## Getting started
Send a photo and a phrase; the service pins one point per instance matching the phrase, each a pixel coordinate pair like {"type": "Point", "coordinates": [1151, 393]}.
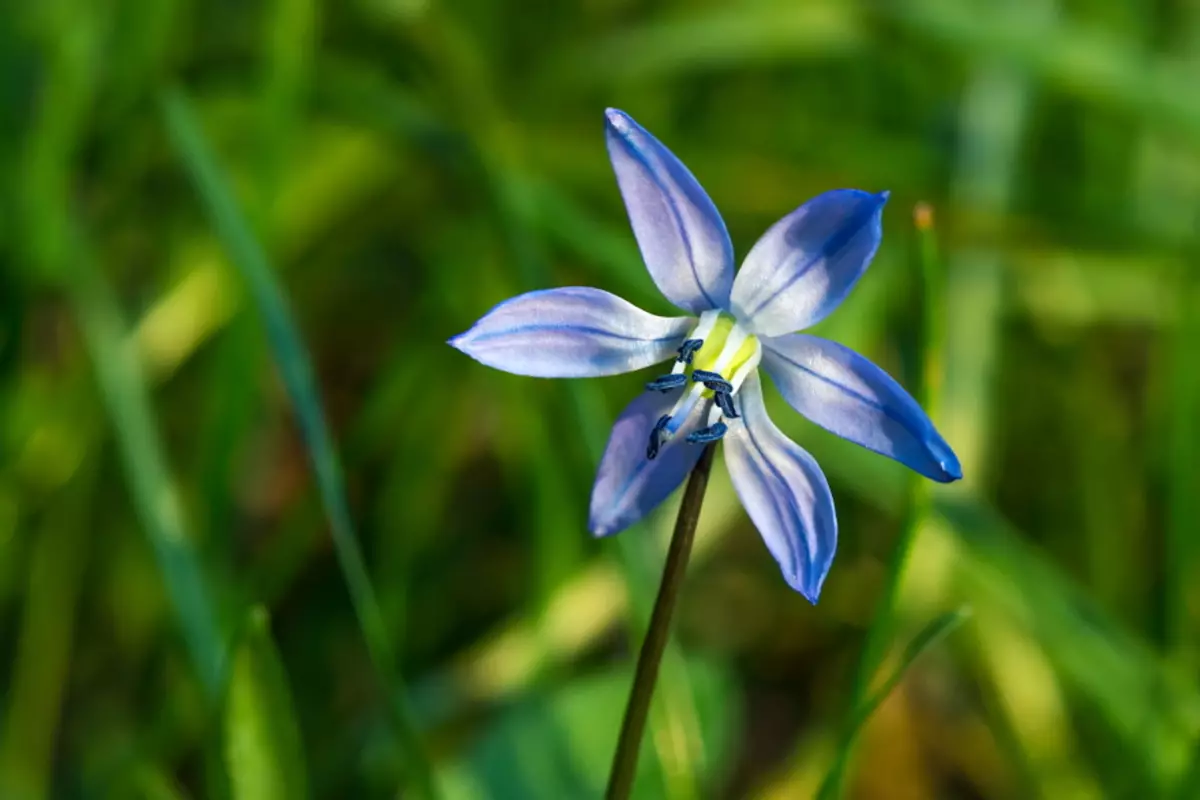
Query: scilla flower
{"type": "Point", "coordinates": [796, 274]}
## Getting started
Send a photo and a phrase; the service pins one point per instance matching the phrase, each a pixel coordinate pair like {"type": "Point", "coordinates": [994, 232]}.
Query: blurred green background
{"type": "Point", "coordinates": [235, 236]}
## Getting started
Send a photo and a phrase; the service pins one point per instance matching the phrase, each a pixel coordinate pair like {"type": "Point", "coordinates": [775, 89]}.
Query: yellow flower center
{"type": "Point", "coordinates": [712, 356]}
{"type": "Point", "coordinates": [726, 355]}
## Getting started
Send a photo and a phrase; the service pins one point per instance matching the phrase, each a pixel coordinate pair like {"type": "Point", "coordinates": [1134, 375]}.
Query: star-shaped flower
{"type": "Point", "coordinates": [793, 277]}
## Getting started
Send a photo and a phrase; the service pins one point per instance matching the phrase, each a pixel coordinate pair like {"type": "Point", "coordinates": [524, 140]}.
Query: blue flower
{"type": "Point", "coordinates": [796, 274]}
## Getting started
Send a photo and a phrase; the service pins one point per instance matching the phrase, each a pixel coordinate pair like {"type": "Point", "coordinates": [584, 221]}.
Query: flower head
{"type": "Point", "coordinates": [793, 277]}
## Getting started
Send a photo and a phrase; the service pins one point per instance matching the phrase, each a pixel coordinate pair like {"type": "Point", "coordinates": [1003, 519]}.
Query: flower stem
{"type": "Point", "coordinates": [620, 781]}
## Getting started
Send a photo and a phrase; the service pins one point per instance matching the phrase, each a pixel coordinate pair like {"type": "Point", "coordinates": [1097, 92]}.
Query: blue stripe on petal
{"type": "Point", "coordinates": [805, 265]}
{"type": "Point", "coordinates": [848, 395]}
{"type": "Point", "coordinates": [784, 492]}
{"type": "Point", "coordinates": [574, 332]}
{"type": "Point", "coordinates": [678, 229]}
{"type": "Point", "coordinates": [628, 485]}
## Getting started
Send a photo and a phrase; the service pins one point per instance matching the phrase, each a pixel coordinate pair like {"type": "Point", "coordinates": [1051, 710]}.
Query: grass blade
{"type": "Point", "coordinates": [291, 358]}
{"type": "Point", "coordinates": [263, 750]}
{"type": "Point", "coordinates": [721, 38]}
{"type": "Point", "coordinates": [123, 388]}
{"type": "Point", "coordinates": [56, 249]}
{"type": "Point", "coordinates": [43, 656]}
{"type": "Point", "coordinates": [930, 635]}
{"type": "Point", "coordinates": [1068, 56]}
{"type": "Point", "coordinates": [929, 347]}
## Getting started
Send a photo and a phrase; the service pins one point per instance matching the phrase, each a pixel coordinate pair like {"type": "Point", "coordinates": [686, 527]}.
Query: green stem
{"type": "Point", "coordinates": [883, 623]}
{"type": "Point", "coordinates": [620, 782]}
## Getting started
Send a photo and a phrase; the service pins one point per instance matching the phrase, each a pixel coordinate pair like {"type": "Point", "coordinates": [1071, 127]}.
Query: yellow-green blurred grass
{"type": "Point", "coordinates": [407, 165]}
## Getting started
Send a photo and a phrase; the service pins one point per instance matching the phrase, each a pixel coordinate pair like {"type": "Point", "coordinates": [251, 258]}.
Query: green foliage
{"type": "Point", "coordinates": [296, 372]}
{"type": "Point", "coordinates": [933, 633]}
{"type": "Point", "coordinates": [559, 744]}
{"type": "Point", "coordinates": [361, 180]}
{"type": "Point", "coordinates": [263, 751]}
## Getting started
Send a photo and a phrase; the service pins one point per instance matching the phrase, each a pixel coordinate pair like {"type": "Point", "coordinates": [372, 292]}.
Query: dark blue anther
{"type": "Point", "coordinates": [712, 380]}
{"type": "Point", "coordinates": [656, 437]}
{"type": "Point", "coordinates": [688, 349]}
{"type": "Point", "coordinates": [665, 383]}
{"type": "Point", "coordinates": [724, 401]}
{"type": "Point", "coordinates": [710, 434]}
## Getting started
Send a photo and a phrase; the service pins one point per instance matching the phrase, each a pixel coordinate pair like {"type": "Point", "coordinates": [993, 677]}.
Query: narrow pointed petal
{"type": "Point", "coordinates": [805, 264]}
{"type": "Point", "coordinates": [628, 485]}
{"type": "Point", "coordinates": [784, 492]}
{"type": "Point", "coordinates": [681, 235]}
{"type": "Point", "coordinates": [576, 332]}
{"type": "Point", "coordinates": [845, 393]}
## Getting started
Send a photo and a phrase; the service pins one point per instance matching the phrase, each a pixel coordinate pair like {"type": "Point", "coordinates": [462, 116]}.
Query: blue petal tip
{"type": "Point", "coordinates": [600, 531]}
{"type": "Point", "coordinates": [949, 468]}
{"type": "Point", "coordinates": [809, 588]}
{"type": "Point", "coordinates": [810, 593]}
{"type": "Point", "coordinates": [619, 121]}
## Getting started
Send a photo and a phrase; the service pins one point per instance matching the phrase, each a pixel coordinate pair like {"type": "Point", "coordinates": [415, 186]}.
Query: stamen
{"type": "Point", "coordinates": [724, 401]}
{"type": "Point", "coordinates": [687, 350]}
{"type": "Point", "coordinates": [710, 434]}
{"type": "Point", "coordinates": [665, 383]}
{"type": "Point", "coordinates": [711, 380]}
{"type": "Point", "coordinates": [656, 437]}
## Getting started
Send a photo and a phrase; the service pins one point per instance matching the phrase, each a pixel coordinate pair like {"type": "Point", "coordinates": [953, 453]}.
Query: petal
{"type": "Point", "coordinates": [784, 492]}
{"type": "Point", "coordinates": [628, 485]}
{"type": "Point", "coordinates": [681, 235]}
{"type": "Point", "coordinates": [574, 332]}
{"type": "Point", "coordinates": [845, 393]}
{"type": "Point", "coordinates": [806, 264]}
